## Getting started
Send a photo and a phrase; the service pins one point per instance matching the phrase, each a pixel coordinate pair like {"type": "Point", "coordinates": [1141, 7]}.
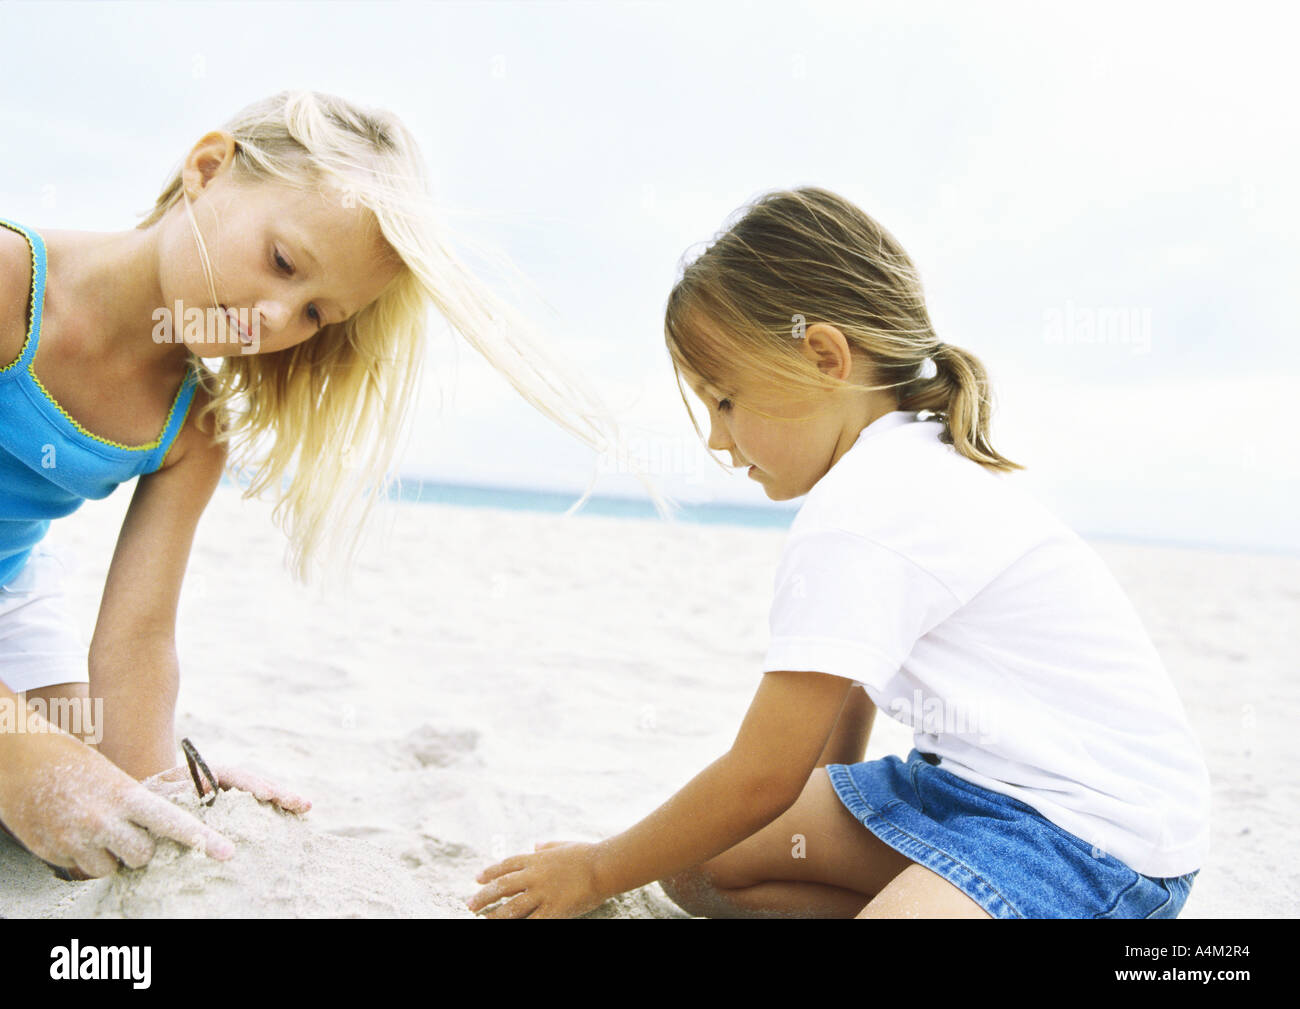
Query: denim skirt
{"type": "Point", "coordinates": [1002, 853]}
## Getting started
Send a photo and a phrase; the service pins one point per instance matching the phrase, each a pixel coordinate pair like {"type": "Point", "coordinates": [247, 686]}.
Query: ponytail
{"type": "Point", "coordinates": [959, 395]}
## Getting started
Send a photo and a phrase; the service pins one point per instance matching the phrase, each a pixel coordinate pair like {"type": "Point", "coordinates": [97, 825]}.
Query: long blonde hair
{"type": "Point", "coordinates": [318, 424]}
{"type": "Point", "coordinates": [799, 257]}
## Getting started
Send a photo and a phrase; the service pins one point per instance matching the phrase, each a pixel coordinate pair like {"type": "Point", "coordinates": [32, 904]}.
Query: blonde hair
{"type": "Point", "coordinates": [319, 423]}
{"type": "Point", "coordinates": [799, 257]}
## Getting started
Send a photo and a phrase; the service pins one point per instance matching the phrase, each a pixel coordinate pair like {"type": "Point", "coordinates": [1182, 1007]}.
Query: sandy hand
{"type": "Point", "coordinates": [177, 781]}
{"type": "Point", "coordinates": [557, 881]}
{"type": "Point", "coordinates": [76, 809]}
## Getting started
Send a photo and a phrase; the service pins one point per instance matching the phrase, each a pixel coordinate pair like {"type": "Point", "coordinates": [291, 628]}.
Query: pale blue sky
{"type": "Point", "coordinates": [1041, 163]}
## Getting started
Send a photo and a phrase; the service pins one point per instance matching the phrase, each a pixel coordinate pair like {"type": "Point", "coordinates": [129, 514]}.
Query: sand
{"type": "Point", "coordinates": [494, 679]}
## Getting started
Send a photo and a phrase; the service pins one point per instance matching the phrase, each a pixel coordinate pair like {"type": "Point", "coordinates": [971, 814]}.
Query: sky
{"type": "Point", "coordinates": [1100, 200]}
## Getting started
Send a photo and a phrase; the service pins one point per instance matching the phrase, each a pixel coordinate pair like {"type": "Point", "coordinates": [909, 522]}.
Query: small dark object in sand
{"type": "Point", "coordinates": [192, 758]}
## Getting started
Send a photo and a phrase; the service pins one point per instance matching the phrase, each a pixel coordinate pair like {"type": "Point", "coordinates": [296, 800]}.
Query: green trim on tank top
{"type": "Point", "coordinates": [190, 371]}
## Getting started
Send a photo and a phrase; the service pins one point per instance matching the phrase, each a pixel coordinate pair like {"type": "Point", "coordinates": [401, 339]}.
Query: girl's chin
{"type": "Point", "coordinates": [774, 491]}
{"type": "Point", "coordinates": [218, 350]}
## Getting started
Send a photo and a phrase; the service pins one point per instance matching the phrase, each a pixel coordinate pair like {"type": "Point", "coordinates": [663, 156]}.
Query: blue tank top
{"type": "Point", "coordinates": [50, 464]}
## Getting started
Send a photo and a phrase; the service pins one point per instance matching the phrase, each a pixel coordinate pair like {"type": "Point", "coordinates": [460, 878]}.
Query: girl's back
{"type": "Point", "coordinates": [978, 618]}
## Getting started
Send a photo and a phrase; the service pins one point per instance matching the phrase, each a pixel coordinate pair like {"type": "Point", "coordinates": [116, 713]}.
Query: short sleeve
{"type": "Point", "coordinates": [847, 606]}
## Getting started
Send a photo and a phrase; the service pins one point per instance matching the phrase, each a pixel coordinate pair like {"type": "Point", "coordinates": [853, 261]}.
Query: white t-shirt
{"type": "Point", "coordinates": [972, 614]}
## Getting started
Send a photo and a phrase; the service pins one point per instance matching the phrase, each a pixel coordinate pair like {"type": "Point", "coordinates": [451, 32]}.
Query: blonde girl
{"type": "Point", "coordinates": [298, 248]}
{"type": "Point", "coordinates": [1054, 772]}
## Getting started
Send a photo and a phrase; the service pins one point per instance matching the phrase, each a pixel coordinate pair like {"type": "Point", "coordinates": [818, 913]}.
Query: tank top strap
{"type": "Point", "coordinates": [175, 419]}
{"type": "Point", "coordinates": [37, 299]}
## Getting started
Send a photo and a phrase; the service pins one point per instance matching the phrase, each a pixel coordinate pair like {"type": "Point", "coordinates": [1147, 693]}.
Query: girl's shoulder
{"type": "Point", "coordinates": [195, 438]}
{"type": "Point", "coordinates": [946, 514]}
{"type": "Point", "coordinates": [15, 291]}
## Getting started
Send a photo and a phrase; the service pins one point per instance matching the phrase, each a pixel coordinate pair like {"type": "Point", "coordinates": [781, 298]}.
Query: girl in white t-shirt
{"type": "Point", "coordinates": [1054, 772]}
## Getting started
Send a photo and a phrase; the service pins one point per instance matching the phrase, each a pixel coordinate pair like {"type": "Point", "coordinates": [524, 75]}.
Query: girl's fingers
{"type": "Point", "coordinates": [166, 820]}
{"type": "Point", "coordinates": [131, 845]}
{"type": "Point", "coordinates": [293, 802]}
{"type": "Point", "coordinates": [504, 887]}
{"type": "Point", "coordinates": [512, 864]}
{"type": "Point", "coordinates": [521, 907]}
{"type": "Point", "coordinates": [233, 777]}
{"type": "Point", "coordinates": [172, 774]}
{"type": "Point", "coordinates": [177, 781]}
{"type": "Point", "coordinates": [174, 783]}
{"type": "Point", "coordinates": [263, 790]}
{"type": "Point", "coordinates": [167, 789]}
{"type": "Point", "coordinates": [95, 862]}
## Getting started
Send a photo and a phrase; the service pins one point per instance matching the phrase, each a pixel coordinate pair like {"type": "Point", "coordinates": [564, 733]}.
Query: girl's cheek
{"type": "Point", "coordinates": [746, 433]}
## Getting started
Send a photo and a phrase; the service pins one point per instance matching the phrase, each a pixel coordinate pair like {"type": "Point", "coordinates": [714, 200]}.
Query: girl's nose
{"type": "Point", "coordinates": [274, 315]}
{"type": "Point", "coordinates": [718, 439]}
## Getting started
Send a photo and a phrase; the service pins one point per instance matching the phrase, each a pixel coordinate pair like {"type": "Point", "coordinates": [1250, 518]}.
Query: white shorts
{"type": "Point", "coordinates": [39, 643]}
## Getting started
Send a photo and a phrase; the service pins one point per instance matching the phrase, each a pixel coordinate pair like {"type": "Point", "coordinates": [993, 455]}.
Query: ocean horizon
{"type": "Point", "coordinates": [473, 495]}
{"type": "Point", "coordinates": [558, 502]}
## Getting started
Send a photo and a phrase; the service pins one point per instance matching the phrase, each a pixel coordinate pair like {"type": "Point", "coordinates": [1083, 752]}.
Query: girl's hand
{"type": "Point", "coordinates": [78, 811]}
{"type": "Point", "coordinates": [557, 881]}
{"type": "Point", "coordinates": [177, 781]}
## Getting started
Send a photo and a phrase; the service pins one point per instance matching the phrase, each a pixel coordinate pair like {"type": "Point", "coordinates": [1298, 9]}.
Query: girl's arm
{"type": "Point", "coordinates": [848, 743]}
{"type": "Point", "coordinates": [133, 664]}
{"type": "Point", "coordinates": [69, 806]}
{"type": "Point", "coordinates": [787, 727]}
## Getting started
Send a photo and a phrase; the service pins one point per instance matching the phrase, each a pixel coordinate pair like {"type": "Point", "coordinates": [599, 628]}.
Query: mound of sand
{"type": "Point", "coordinates": [283, 868]}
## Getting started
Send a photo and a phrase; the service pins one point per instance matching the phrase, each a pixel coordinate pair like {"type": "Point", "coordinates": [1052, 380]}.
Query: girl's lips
{"type": "Point", "coordinates": [244, 335]}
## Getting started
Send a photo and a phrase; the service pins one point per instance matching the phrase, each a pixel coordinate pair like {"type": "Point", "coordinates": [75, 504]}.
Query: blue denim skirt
{"type": "Point", "coordinates": [1002, 853]}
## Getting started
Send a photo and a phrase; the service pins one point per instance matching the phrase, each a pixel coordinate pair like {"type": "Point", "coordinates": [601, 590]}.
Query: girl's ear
{"type": "Point", "coordinates": [828, 349]}
{"type": "Point", "coordinates": [213, 152]}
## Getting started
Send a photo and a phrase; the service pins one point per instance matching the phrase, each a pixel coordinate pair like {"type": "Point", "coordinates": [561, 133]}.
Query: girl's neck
{"type": "Point", "coordinates": [861, 415]}
{"type": "Point", "coordinates": [102, 290]}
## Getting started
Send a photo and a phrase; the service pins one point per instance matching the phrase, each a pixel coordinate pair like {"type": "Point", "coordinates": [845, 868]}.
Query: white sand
{"type": "Point", "coordinates": [493, 679]}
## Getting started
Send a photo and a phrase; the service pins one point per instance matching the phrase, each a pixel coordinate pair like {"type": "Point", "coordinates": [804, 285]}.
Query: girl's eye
{"type": "Point", "coordinates": [312, 312]}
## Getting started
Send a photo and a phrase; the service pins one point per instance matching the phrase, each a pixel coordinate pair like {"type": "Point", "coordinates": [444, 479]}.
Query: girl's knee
{"type": "Point", "coordinates": [696, 892]}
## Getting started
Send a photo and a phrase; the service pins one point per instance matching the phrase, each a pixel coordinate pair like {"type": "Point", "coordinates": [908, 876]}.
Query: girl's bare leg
{"type": "Point", "coordinates": [917, 892]}
{"type": "Point", "coordinates": [813, 861]}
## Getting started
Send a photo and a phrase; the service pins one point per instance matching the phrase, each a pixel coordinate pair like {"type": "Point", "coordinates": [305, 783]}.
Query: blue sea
{"type": "Point", "coordinates": [720, 513]}
{"type": "Point", "coordinates": [757, 516]}
{"type": "Point", "coordinates": [519, 499]}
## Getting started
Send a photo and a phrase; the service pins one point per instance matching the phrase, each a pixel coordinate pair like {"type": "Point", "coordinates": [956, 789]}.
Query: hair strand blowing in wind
{"type": "Point", "coordinates": [319, 424]}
